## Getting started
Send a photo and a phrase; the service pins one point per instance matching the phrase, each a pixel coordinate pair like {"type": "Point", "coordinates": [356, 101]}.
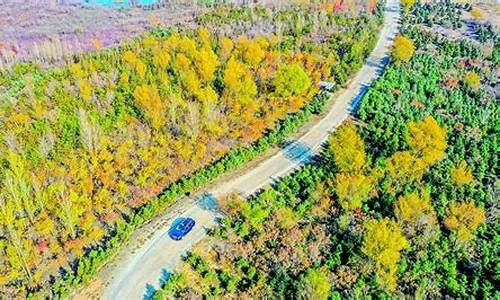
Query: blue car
{"type": "Point", "coordinates": [181, 229]}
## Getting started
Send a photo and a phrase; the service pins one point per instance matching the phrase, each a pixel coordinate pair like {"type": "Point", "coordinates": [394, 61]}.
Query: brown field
{"type": "Point", "coordinates": [31, 29]}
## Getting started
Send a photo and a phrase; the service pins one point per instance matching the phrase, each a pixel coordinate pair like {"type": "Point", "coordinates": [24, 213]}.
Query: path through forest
{"type": "Point", "coordinates": [141, 272]}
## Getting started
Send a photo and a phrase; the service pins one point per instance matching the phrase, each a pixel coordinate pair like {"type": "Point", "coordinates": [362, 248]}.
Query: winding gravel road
{"type": "Point", "coordinates": [143, 272]}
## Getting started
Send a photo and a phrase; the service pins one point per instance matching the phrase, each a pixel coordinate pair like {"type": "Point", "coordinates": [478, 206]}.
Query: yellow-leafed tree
{"type": "Point", "coordinates": [403, 49]}
{"type": "Point", "coordinates": [460, 174]}
{"type": "Point", "coordinates": [404, 167]}
{"type": "Point", "coordinates": [477, 13]}
{"type": "Point", "coordinates": [206, 63]}
{"type": "Point", "coordinates": [85, 89]}
{"type": "Point", "coordinates": [352, 190]}
{"type": "Point", "coordinates": [348, 149]}
{"type": "Point", "coordinates": [416, 215]}
{"type": "Point", "coordinates": [226, 47]}
{"type": "Point", "coordinates": [148, 100]}
{"type": "Point", "coordinates": [252, 53]}
{"type": "Point", "coordinates": [382, 242]}
{"type": "Point", "coordinates": [161, 57]}
{"type": "Point", "coordinates": [238, 81]}
{"type": "Point", "coordinates": [472, 80]}
{"type": "Point", "coordinates": [407, 4]}
{"type": "Point", "coordinates": [412, 209]}
{"type": "Point", "coordinates": [463, 219]}
{"type": "Point", "coordinates": [291, 80]}
{"type": "Point", "coordinates": [315, 285]}
{"type": "Point", "coordinates": [428, 140]}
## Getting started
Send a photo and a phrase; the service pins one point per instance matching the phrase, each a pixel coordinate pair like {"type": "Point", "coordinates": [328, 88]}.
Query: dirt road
{"type": "Point", "coordinates": [137, 277]}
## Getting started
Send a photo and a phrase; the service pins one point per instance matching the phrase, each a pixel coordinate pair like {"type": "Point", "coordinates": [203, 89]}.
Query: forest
{"type": "Point", "coordinates": [96, 146]}
{"type": "Point", "coordinates": [402, 203]}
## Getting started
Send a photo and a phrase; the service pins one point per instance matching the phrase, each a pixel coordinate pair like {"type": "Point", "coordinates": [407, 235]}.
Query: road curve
{"type": "Point", "coordinates": [137, 277]}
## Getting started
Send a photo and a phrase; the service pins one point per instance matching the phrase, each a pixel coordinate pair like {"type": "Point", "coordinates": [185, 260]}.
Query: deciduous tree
{"type": "Point", "coordinates": [416, 215]}
{"type": "Point", "coordinates": [407, 4]}
{"type": "Point", "coordinates": [404, 167]}
{"type": "Point", "coordinates": [382, 242]}
{"type": "Point", "coordinates": [472, 80]}
{"type": "Point", "coordinates": [428, 140]}
{"type": "Point", "coordinates": [460, 174]}
{"type": "Point", "coordinates": [315, 285]}
{"type": "Point", "coordinates": [477, 13]}
{"type": "Point", "coordinates": [463, 218]}
{"type": "Point", "coordinates": [148, 99]}
{"type": "Point", "coordinates": [206, 63]}
{"type": "Point", "coordinates": [238, 81]}
{"type": "Point", "coordinates": [403, 49]}
{"type": "Point", "coordinates": [348, 149]}
{"type": "Point", "coordinates": [352, 190]}
{"type": "Point", "coordinates": [291, 80]}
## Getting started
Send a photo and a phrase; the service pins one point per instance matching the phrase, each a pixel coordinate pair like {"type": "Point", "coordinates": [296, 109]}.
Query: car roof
{"type": "Point", "coordinates": [187, 220]}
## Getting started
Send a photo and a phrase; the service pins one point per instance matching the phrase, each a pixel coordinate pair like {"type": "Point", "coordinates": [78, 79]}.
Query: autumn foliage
{"type": "Point", "coordinates": [348, 149]}
{"type": "Point", "coordinates": [427, 139]}
{"type": "Point", "coordinates": [383, 213]}
{"type": "Point", "coordinates": [382, 242]}
{"type": "Point", "coordinates": [403, 48]}
{"type": "Point", "coordinates": [90, 144]}
{"type": "Point", "coordinates": [460, 174]}
{"type": "Point", "coordinates": [386, 211]}
{"type": "Point", "coordinates": [463, 219]}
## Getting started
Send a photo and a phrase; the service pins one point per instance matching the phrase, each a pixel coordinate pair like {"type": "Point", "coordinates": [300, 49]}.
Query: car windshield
{"type": "Point", "coordinates": [184, 225]}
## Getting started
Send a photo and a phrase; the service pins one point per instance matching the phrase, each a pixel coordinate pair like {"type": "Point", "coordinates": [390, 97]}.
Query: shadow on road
{"type": "Point", "coordinates": [207, 201]}
{"type": "Point", "coordinates": [353, 106]}
{"type": "Point", "coordinates": [297, 151]}
{"type": "Point", "coordinates": [165, 275]}
{"type": "Point", "coordinates": [150, 290]}
{"type": "Point", "coordinates": [365, 87]}
{"type": "Point", "coordinates": [392, 9]}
